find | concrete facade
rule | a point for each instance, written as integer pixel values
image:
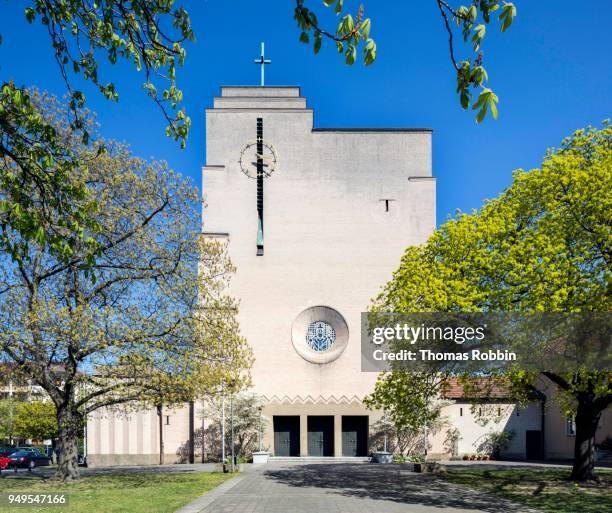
(339, 211)
(118, 438)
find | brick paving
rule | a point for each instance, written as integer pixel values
(348, 488)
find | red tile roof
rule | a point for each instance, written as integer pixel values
(483, 388)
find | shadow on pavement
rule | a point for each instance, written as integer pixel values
(388, 483)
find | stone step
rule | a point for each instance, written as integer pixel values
(318, 459)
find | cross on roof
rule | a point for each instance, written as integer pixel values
(262, 61)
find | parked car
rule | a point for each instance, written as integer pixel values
(5, 461)
(29, 458)
(7, 451)
(24, 449)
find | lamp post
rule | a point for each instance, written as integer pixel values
(259, 428)
(203, 431)
(232, 429)
(222, 428)
(386, 431)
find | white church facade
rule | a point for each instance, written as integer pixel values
(314, 233)
(316, 220)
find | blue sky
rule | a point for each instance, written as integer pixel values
(551, 70)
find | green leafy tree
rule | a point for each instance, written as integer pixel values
(147, 323)
(411, 402)
(37, 198)
(469, 22)
(36, 420)
(7, 419)
(543, 245)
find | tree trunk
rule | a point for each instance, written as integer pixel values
(587, 420)
(69, 427)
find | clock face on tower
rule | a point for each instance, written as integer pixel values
(251, 154)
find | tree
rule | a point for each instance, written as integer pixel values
(36, 420)
(471, 22)
(38, 200)
(412, 402)
(247, 423)
(7, 419)
(403, 441)
(542, 245)
(147, 322)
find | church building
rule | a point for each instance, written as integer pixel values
(316, 220)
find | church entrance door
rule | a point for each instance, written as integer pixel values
(286, 435)
(321, 435)
(355, 435)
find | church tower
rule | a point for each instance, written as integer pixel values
(316, 220)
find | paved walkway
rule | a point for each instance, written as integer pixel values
(344, 488)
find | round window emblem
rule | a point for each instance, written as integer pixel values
(320, 336)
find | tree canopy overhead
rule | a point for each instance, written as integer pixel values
(543, 245)
(468, 22)
(38, 198)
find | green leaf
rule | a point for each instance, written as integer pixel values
(493, 108)
(365, 28)
(507, 16)
(481, 114)
(304, 37)
(317, 43)
(351, 55)
(370, 52)
(30, 14)
(349, 24)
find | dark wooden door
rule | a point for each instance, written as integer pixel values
(533, 445)
(320, 436)
(354, 435)
(286, 436)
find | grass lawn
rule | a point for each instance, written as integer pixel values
(547, 490)
(119, 493)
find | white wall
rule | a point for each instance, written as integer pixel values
(328, 239)
(475, 423)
